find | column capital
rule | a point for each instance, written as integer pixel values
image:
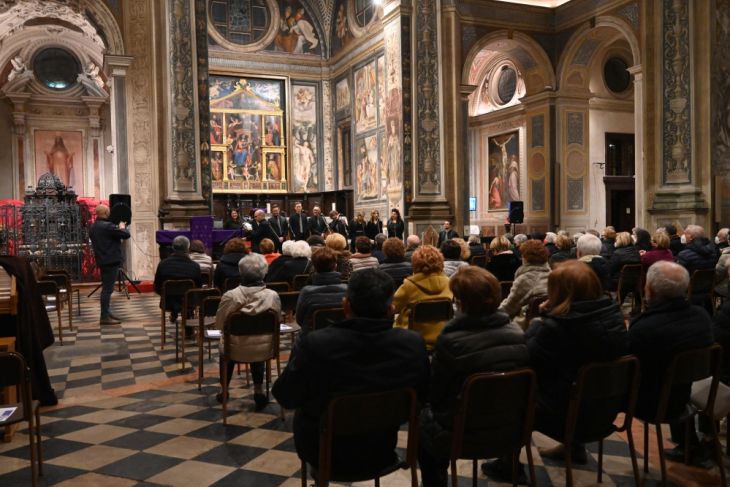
(117, 65)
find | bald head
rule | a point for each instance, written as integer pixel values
(665, 281)
(102, 211)
(693, 232)
(259, 215)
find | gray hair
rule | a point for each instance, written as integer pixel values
(181, 243)
(301, 249)
(576, 236)
(667, 280)
(695, 231)
(413, 240)
(286, 247)
(474, 239)
(520, 238)
(252, 267)
(550, 237)
(723, 234)
(588, 245)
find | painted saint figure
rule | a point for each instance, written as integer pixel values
(61, 161)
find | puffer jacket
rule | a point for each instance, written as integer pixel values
(469, 345)
(600, 267)
(326, 291)
(621, 257)
(251, 300)
(421, 287)
(451, 266)
(227, 267)
(530, 283)
(699, 254)
(398, 269)
(504, 265)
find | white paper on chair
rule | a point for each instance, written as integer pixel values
(283, 328)
(212, 333)
(5, 413)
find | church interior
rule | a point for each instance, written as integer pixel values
(230, 132)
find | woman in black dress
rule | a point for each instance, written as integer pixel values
(357, 229)
(374, 226)
(395, 224)
(234, 221)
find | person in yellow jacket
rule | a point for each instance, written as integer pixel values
(427, 282)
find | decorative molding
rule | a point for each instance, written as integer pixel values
(328, 148)
(575, 194)
(258, 45)
(631, 14)
(575, 128)
(201, 45)
(721, 91)
(538, 131)
(677, 131)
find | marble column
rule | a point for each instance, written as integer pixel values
(116, 68)
(201, 48)
(640, 202)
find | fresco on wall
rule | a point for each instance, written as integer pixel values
(367, 168)
(304, 138)
(381, 90)
(247, 124)
(60, 153)
(392, 118)
(342, 95)
(365, 98)
(342, 32)
(296, 34)
(504, 170)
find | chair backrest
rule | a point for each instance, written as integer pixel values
(61, 280)
(207, 277)
(485, 427)
(194, 297)
(14, 372)
(431, 310)
(688, 367)
(48, 288)
(176, 288)
(279, 287)
(289, 301)
(231, 283)
(299, 281)
(478, 260)
(325, 317)
(239, 324)
(533, 309)
(208, 308)
(701, 282)
(629, 280)
(367, 413)
(506, 287)
(600, 392)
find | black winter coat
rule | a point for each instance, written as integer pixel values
(601, 267)
(504, 266)
(676, 245)
(621, 257)
(699, 254)
(228, 267)
(560, 256)
(261, 230)
(656, 336)
(607, 247)
(106, 240)
(286, 271)
(721, 332)
(177, 266)
(373, 228)
(326, 291)
(397, 269)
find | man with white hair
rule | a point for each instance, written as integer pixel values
(669, 325)
(250, 298)
(177, 266)
(721, 239)
(550, 242)
(699, 252)
(412, 243)
(588, 250)
(261, 229)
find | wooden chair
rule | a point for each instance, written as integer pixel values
(207, 277)
(15, 372)
(48, 289)
(230, 283)
(325, 317)
(701, 290)
(288, 304)
(192, 301)
(600, 392)
(478, 260)
(174, 288)
(533, 309)
(485, 428)
(299, 281)
(279, 287)
(425, 313)
(687, 367)
(67, 290)
(208, 309)
(241, 325)
(505, 287)
(629, 281)
(358, 414)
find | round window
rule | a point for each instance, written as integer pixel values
(244, 22)
(615, 73)
(56, 68)
(506, 85)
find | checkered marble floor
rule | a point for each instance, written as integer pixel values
(129, 416)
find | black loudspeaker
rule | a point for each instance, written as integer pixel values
(121, 208)
(516, 212)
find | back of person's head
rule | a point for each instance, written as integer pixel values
(315, 241)
(266, 246)
(235, 246)
(324, 259)
(380, 240)
(301, 249)
(661, 240)
(594, 232)
(499, 244)
(694, 232)
(722, 235)
(393, 248)
(465, 252)
(197, 246)
(576, 236)
(623, 239)
(336, 242)
(451, 249)
(609, 232)
(476, 291)
(253, 268)
(363, 245)
(588, 244)
(671, 230)
(102, 211)
(569, 282)
(563, 242)
(534, 252)
(413, 241)
(287, 247)
(181, 244)
(542, 237)
(369, 293)
(474, 240)
(666, 280)
(519, 239)
(550, 237)
(643, 237)
(428, 260)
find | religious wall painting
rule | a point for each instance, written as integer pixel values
(342, 95)
(381, 90)
(304, 138)
(238, 22)
(296, 33)
(366, 164)
(503, 170)
(61, 153)
(250, 114)
(365, 98)
(342, 32)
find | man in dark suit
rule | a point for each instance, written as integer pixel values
(337, 225)
(279, 225)
(260, 229)
(317, 224)
(299, 224)
(447, 233)
(177, 266)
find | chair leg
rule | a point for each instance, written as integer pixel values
(70, 311)
(454, 479)
(632, 452)
(33, 461)
(646, 447)
(474, 473)
(568, 466)
(377, 481)
(718, 453)
(600, 460)
(304, 473)
(224, 381)
(183, 324)
(201, 332)
(660, 447)
(177, 338)
(248, 374)
(531, 463)
(162, 328)
(686, 439)
(60, 324)
(514, 468)
(78, 302)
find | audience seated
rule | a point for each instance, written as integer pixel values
(550, 242)
(299, 263)
(721, 239)
(465, 252)
(316, 241)
(642, 239)
(234, 250)
(475, 246)
(395, 265)
(721, 273)
(364, 353)
(609, 242)
(268, 249)
(427, 282)
(503, 263)
(363, 258)
(451, 251)
(699, 253)
(338, 244)
(479, 339)
(412, 243)
(670, 325)
(378, 242)
(563, 243)
(659, 251)
(624, 253)
(198, 255)
(177, 266)
(588, 249)
(675, 241)
(530, 281)
(517, 242)
(276, 265)
(326, 290)
(251, 298)
(721, 332)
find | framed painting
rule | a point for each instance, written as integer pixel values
(344, 155)
(365, 111)
(367, 168)
(503, 170)
(305, 140)
(61, 153)
(342, 95)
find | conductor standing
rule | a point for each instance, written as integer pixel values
(106, 239)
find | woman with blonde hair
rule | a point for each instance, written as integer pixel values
(624, 253)
(503, 262)
(659, 250)
(427, 282)
(338, 243)
(563, 243)
(374, 226)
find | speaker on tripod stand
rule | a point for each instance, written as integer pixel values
(121, 208)
(516, 213)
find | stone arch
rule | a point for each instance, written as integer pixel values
(108, 24)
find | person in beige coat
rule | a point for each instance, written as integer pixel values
(530, 281)
(250, 298)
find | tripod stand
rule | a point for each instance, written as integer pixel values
(121, 286)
